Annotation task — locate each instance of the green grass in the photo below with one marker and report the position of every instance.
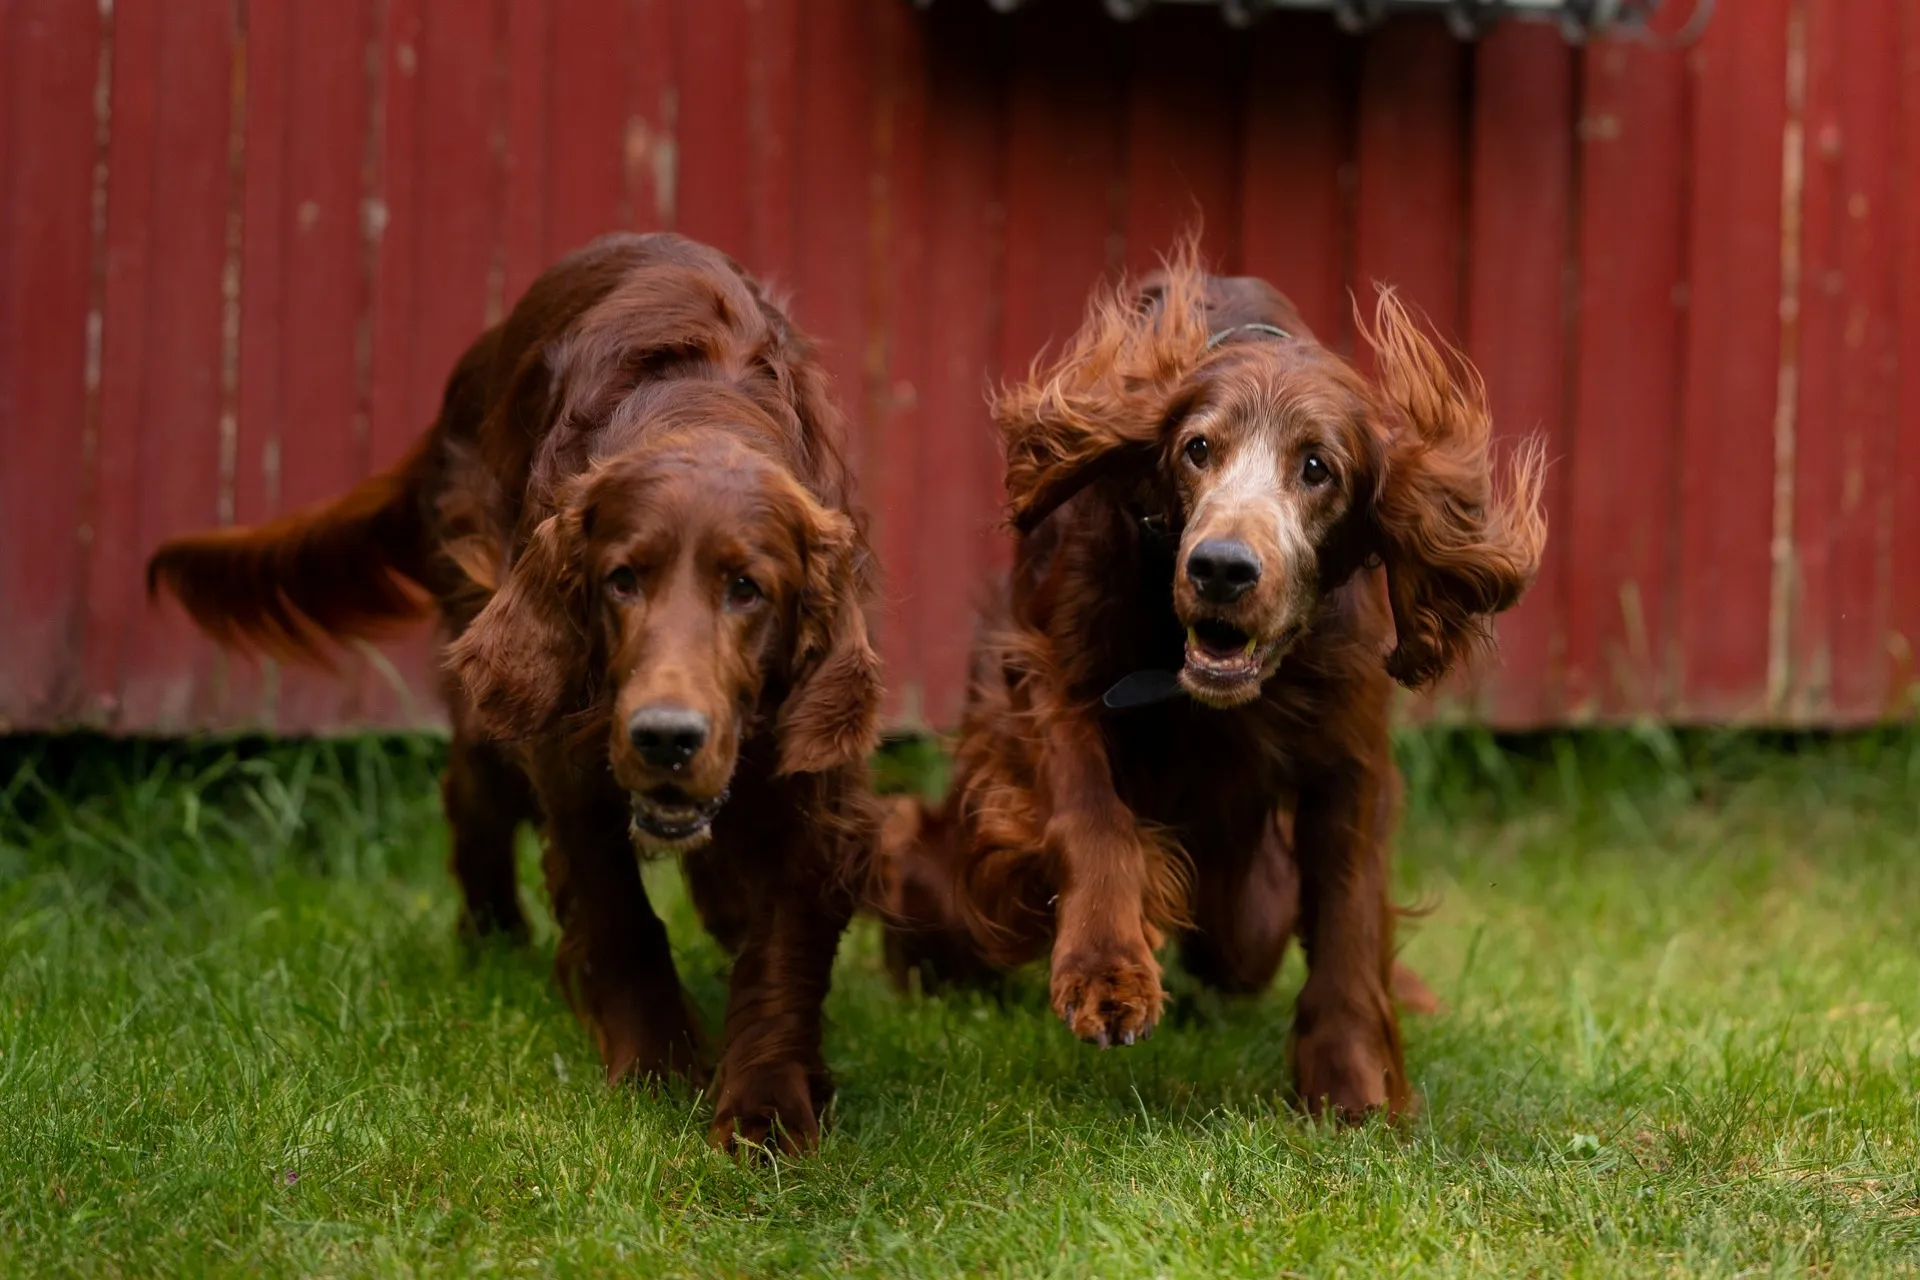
(236, 1036)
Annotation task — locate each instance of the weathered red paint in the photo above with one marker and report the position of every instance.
(1849, 380)
(1518, 256)
(1724, 573)
(308, 210)
(1904, 560)
(158, 464)
(1296, 166)
(1623, 462)
(49, 63)
(956, 547)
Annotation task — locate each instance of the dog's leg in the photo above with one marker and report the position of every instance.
(486, 799)
(1244, 915)
(923, 929)
(1346, 1037)
(724, 903)
(1244, 909)
(773, 1084)
(613, 962)
(1106, 981)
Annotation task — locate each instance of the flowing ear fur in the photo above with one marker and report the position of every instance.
(523, 660)
(1101, 406)
(831, 714)
(1456, 552)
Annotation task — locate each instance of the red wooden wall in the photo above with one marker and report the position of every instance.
(241, 240)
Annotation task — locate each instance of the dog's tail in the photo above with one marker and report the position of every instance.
(349, 568)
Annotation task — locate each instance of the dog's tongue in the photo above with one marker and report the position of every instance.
(1141, 689)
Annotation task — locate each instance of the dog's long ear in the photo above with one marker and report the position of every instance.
(523, 662)
(831, 714)
(1102, 407)
(1456, 552)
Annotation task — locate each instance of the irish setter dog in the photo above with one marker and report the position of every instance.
(634, 520)
(1231, 545)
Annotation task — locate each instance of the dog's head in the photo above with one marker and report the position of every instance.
(1283, 470)
(684, 593)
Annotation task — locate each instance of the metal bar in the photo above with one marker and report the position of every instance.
(1577, 19)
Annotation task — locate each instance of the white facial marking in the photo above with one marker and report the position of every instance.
(1250, 482)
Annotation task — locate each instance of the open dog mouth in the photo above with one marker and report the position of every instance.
(1224, 664)
(666, 818)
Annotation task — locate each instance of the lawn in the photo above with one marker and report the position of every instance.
(1682, 1036)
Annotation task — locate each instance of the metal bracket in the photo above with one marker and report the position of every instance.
(1359, 16)
(1471, 19)
(1578, 20)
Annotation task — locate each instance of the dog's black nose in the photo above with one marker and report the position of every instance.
(667, 737)
(1222, 570)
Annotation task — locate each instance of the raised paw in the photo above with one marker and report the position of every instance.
(1107, 1000)
(769, 1109)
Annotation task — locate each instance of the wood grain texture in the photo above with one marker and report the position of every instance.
(268, 228)
(1623, 456)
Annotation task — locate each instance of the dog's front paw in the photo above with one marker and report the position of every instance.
(1346, 1069)
(768, 1109)
(1107, 998)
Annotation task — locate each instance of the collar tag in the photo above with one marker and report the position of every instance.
(1142, 689)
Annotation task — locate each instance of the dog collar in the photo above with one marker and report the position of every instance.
(1272, 330)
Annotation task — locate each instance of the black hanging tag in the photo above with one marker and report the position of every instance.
(1141, 689)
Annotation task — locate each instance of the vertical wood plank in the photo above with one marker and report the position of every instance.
(1849, 377)
(1904, 555)
(833, 269)
(1624, 458)
(1183, 127)
(1726, 463)
(458, 187)
(525, 215)
(773, 105)
(647, 150)
(1817, 460)
(586, 139)
(411, 49)
(259, 398)
(1520, 192)
(959, 542)
(1409, 220)
(437, 226)
(1865, 651)
(158, 468)
(897, 345)
(1408, 228)
(713, 133)
(49, 62)
(401, 402)
(303, 296)
(1064, 163)
(1297, 168)
(133, 165)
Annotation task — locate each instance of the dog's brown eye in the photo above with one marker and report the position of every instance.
(1197, 451)
(623, 583)
(1314, 471)
(744, 593)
